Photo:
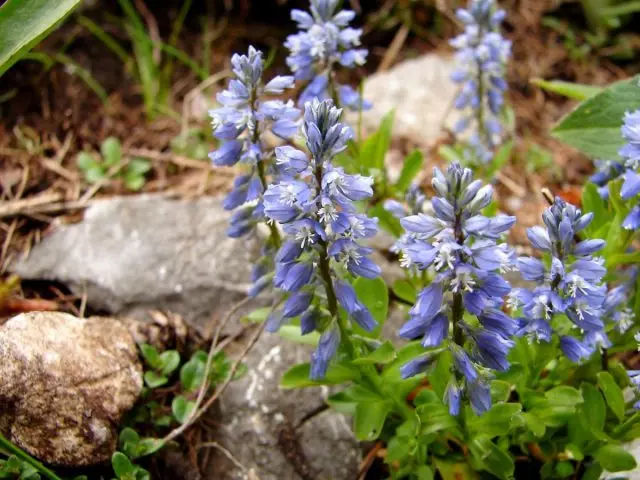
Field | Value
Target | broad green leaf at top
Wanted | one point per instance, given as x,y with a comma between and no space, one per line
594,126
25,23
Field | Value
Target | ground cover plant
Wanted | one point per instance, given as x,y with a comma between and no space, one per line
510,365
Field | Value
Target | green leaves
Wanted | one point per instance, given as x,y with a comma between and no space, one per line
25,24
374,148
125,470
97,168
411,167
615,458
492,458
374,294
163,365
182,408
594,127
298,376
382,355
369,418
612,393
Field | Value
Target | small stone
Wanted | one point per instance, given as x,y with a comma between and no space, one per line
66,382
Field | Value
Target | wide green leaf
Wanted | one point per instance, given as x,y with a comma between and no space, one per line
492,458
612,394
294,334
594,409
298,376
374,294
369,419
182,408
405,290
615,458
25,23
411,168
575,91
594,127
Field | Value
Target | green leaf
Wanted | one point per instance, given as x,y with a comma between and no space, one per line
86,161
450,154
94,174
614,458
501,157
150,355
500,390
594,409
494,460
412,166
592,202
121,464
499,420
564,395
612,394
298,376
154,379
149,446
450,470
134,181
169,361
594,127
381,356
391,373
191,374
369,419
139,165
294,334
374,294
25,24
341,402
575,91
435,417
405,290
111,151
387,222
182,408
259,315
423,472
374,148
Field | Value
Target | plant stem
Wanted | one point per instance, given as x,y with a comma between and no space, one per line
457,311
7,445
275,235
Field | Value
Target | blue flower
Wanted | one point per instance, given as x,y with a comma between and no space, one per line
324,41
314,204
460,248
570,284
482,54
239,124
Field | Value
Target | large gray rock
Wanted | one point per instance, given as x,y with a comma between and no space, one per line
148,252
281,434
421,93
66,382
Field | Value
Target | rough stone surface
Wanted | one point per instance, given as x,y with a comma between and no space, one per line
281,434
421,93
66,382
144,252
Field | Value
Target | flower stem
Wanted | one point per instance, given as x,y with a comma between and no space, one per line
275,235
7,445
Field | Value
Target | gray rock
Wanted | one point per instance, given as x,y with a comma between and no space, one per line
421,93
281,434
66,382
148,252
